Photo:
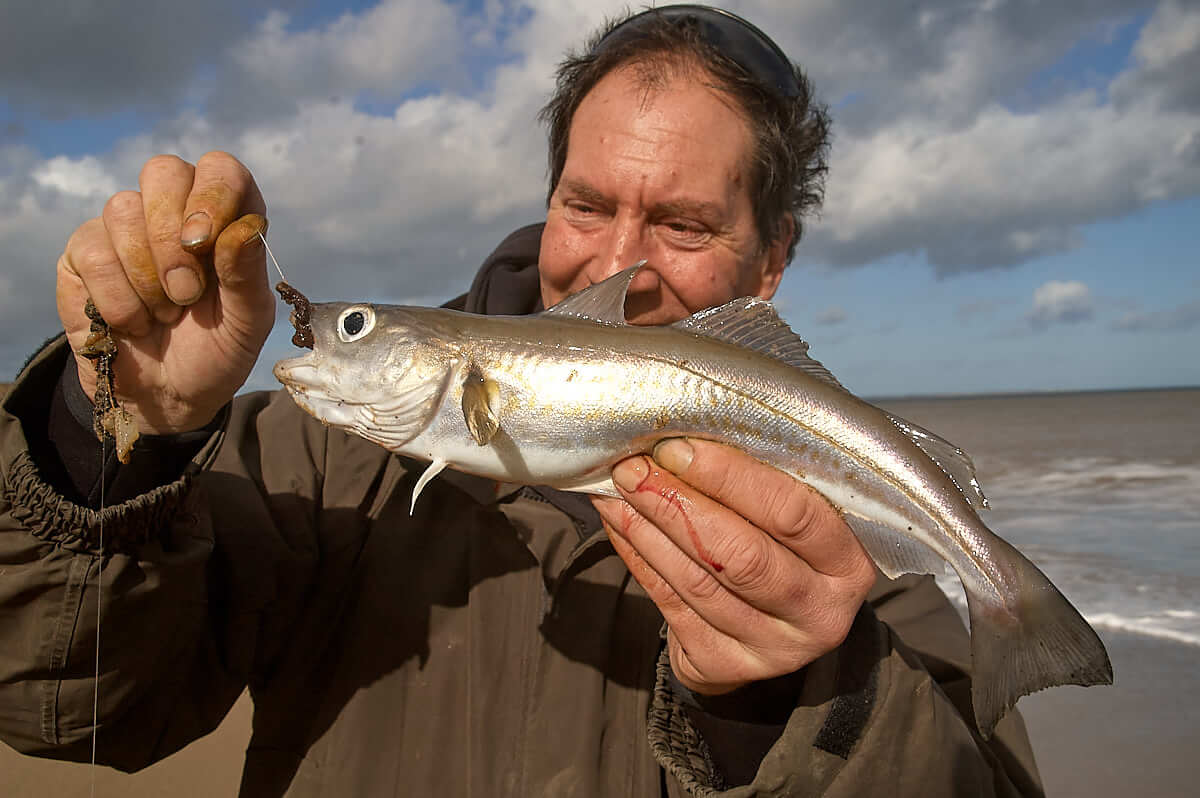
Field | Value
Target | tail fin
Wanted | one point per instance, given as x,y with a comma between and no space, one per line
1034,640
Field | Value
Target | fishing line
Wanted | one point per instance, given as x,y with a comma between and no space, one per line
99,603
272,254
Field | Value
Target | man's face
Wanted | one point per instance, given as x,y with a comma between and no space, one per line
660,175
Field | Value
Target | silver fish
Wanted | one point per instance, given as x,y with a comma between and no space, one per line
556,399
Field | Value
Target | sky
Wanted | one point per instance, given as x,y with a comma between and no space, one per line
1012,204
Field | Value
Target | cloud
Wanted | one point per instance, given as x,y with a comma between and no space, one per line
85,178
1167,58
1182,317
1057,302
381,54
33,217
65,58
1004,189
941,152
831,316
899,59
398,144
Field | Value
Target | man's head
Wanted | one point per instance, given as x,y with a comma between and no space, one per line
677,110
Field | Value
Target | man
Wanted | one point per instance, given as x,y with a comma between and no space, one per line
481,646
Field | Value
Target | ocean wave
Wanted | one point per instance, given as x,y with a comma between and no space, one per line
1099,479
1139,612
1146,626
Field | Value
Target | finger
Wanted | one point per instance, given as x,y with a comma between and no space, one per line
792,512
693,586
617,517
89,266
699,546
666,571
239,262
70,296
166,182
125,223
699,671
722,662
223,190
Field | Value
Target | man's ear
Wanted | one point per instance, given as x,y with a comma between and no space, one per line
775,259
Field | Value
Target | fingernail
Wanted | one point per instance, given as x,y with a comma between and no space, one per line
674,454
196,229
630,474
183,285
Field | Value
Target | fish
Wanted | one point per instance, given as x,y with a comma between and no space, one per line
559,397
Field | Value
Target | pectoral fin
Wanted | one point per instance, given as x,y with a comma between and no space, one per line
481,407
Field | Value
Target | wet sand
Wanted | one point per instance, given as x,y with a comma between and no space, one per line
208,768
1140,737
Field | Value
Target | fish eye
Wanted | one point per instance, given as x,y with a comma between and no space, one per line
354,323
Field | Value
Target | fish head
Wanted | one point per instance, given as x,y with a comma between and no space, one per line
375,370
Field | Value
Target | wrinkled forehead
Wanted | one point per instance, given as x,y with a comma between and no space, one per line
678,115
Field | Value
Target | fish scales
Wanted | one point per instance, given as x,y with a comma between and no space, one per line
641,395
557,399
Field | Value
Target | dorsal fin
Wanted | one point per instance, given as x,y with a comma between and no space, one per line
952,460
753,323
603,303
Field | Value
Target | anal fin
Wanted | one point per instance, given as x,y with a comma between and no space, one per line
894,552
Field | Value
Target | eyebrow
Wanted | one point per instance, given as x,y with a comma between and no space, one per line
585,191
707,211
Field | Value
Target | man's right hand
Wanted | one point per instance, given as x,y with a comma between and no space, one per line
178,272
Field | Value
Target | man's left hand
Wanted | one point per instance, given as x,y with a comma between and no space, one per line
755,573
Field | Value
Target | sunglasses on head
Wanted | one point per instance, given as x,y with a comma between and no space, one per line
733,36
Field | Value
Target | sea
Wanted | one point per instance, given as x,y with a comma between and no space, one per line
1100,489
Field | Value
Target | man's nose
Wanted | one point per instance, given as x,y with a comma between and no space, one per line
623,246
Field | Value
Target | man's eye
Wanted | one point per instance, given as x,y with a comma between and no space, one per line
684,230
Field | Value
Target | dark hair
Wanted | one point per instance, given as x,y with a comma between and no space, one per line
790,133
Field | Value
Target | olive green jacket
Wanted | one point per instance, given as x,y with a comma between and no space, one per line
481,646
477,647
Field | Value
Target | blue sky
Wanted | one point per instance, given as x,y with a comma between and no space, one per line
1012,202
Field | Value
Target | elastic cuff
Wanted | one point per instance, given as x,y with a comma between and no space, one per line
47,515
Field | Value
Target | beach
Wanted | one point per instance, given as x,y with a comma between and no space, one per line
1139,737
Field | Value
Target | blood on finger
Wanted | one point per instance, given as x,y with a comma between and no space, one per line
672,497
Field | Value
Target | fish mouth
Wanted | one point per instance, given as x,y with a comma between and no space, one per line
293,370
299,375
